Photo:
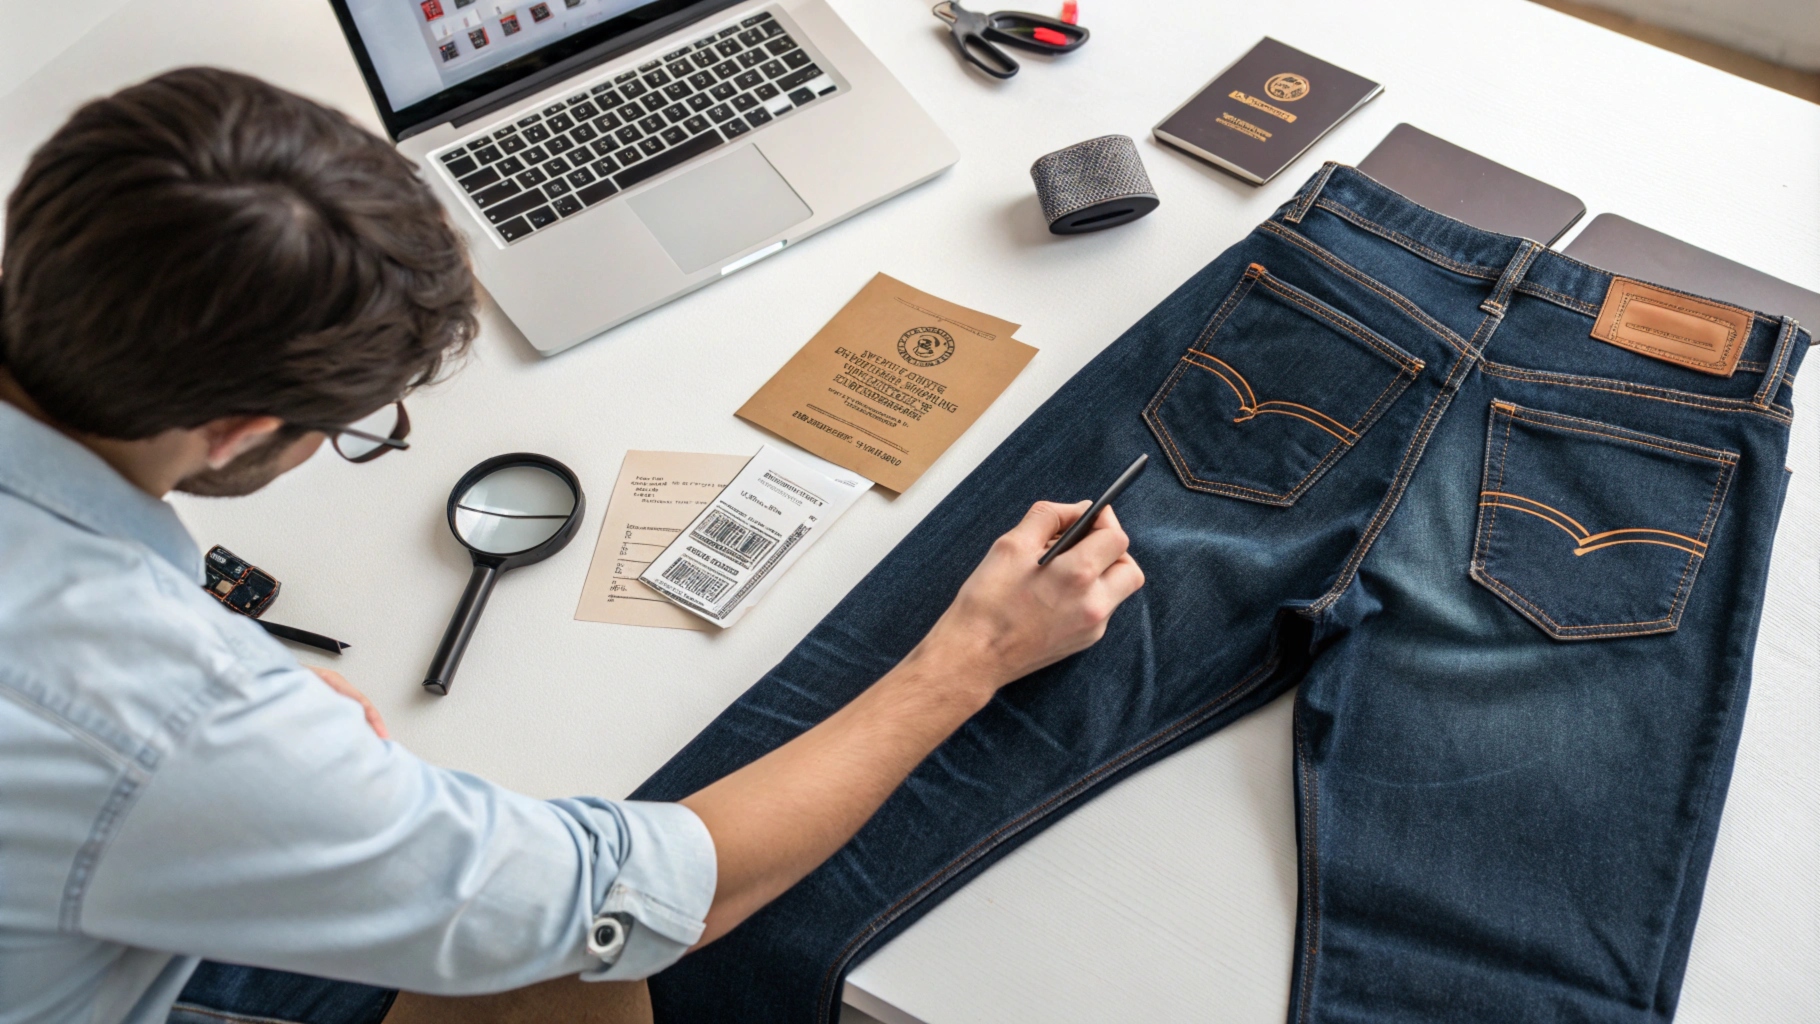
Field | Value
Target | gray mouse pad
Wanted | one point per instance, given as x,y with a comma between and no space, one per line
1629,249
1470,188
719,209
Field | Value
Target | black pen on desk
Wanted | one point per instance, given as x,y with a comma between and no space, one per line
304,636
1078,529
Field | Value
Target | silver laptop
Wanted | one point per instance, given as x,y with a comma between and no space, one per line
606,156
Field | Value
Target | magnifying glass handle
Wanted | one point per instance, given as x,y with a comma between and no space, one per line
461,629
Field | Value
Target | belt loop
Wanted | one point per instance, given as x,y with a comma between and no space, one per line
1305,201
1778,362
1512,276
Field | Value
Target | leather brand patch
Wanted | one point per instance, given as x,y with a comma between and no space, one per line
1675,328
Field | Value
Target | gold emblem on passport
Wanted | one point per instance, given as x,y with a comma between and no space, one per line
1286,87
1696,333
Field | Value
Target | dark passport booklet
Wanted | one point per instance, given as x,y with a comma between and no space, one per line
1265,110
1470,188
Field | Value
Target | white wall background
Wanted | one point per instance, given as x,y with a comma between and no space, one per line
1784,31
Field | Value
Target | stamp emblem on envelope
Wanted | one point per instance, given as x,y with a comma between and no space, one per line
926,346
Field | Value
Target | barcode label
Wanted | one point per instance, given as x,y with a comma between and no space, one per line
695,578
724,533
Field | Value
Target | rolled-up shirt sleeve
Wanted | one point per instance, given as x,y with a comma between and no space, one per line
660,887
279,832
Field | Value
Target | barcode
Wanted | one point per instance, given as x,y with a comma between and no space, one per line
721,531
696,579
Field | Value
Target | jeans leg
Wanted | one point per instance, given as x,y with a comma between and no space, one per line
1501,826
1212,635
219,993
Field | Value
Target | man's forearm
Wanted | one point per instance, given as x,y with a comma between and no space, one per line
776,819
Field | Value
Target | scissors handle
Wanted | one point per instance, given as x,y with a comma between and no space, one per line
1035,32
970,31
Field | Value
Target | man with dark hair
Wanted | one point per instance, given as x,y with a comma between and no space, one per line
204,278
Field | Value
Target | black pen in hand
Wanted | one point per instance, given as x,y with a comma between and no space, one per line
1078,529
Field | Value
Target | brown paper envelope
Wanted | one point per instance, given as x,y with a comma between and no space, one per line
657,496
887,385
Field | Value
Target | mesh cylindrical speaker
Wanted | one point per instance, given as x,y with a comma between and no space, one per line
1091,185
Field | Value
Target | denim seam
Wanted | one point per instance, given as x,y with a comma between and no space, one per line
1772,377
1226,306
1550,295
1306,201
1709,403
1499,302
1433,256
1400,483
1693,451
1358,330
1712,792
1410,308
993,840
1311,884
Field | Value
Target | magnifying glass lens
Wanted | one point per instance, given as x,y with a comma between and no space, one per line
513,509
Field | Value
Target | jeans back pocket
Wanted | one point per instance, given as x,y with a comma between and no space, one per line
1590,530
1275,389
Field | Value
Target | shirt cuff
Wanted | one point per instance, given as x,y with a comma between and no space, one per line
662,893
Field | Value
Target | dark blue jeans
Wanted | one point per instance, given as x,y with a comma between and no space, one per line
1515,572
219,993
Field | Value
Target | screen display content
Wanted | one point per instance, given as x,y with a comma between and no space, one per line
423,58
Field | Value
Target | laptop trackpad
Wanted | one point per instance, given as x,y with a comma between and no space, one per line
720,208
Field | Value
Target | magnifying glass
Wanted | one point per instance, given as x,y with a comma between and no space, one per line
510,510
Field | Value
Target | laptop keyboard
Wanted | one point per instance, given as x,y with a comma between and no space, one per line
569,157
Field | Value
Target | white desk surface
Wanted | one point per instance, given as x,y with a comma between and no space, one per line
1171,897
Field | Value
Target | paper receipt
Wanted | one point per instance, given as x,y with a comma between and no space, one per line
657,496
734,551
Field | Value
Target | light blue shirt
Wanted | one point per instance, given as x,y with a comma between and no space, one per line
174,786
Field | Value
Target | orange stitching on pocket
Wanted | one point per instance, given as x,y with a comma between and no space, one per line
1266,408
1248,399
1578,531
1678,547
1154,420
1582,540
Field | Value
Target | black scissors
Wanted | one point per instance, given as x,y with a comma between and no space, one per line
975,33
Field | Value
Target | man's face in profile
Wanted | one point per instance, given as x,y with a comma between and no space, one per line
253,469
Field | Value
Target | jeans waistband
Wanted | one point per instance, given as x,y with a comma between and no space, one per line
1773,351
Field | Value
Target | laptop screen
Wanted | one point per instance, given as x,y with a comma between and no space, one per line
424,59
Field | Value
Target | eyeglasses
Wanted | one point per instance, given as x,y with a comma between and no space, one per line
369,437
